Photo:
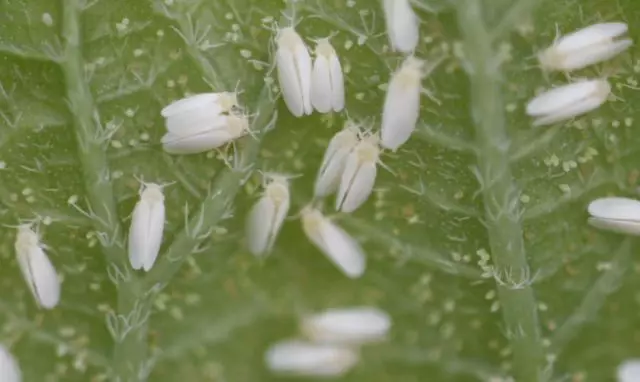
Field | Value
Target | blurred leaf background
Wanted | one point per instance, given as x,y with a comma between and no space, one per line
81,86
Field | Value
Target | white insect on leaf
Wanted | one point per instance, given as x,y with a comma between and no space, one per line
568,101
147,227
267,215
9,369
402,25
629,371
200,112
347,326
621,215
227,129
359,175
335,159
401,107
294,71
36,268
327,80
300,358
343,250
586,46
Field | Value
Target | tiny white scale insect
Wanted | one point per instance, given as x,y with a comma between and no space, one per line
616,214
359,175
348,326
199,112
9,369
327,80
36,268
294,71
402,25
147,227
267,215
300,358
335,159
586,46
568,101
227,129
343,250
401,107
629,371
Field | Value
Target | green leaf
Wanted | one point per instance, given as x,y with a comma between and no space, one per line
477,240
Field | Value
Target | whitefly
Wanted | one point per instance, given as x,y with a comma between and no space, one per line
586,46
301,358
568,101
349,326
9,369
621,215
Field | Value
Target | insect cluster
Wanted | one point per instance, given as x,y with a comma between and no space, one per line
331,342
348,169
577,50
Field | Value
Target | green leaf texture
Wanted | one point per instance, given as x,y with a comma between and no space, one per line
476,235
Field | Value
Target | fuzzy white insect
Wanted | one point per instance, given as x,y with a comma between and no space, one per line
568,101
616,214
36,268
267,215
294,71
359,175
327,80
584,47
343,250
401,107
335,159
199,112
629,371
147,227
9,369
349,326
227,129
296,357
402,25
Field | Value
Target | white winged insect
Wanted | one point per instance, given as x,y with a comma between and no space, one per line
402,25
294,71
629,371
335,159
9,369
359,175
568,101
199,112
327,80
147,227
348,326
343,250
300,358
586,46
401,107
267,215
616,214
36,268
226,129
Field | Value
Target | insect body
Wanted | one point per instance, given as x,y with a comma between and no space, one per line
334,242
327,80
584,47
335,159
402,25
616,214
401,107
36,268
267,215
294,71
147,226
568,101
